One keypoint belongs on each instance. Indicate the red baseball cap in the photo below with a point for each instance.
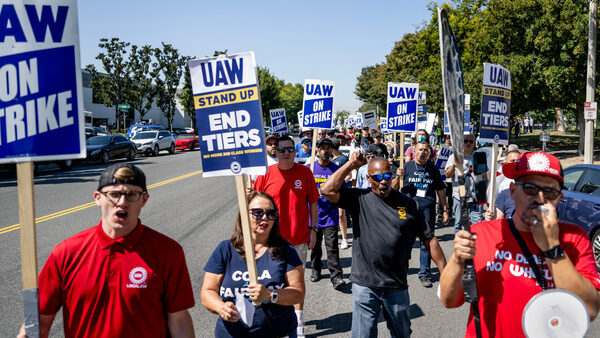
(534, 163)
(269, 137)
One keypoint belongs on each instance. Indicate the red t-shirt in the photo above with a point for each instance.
(505, 281)
(293, 190)
(110, 288)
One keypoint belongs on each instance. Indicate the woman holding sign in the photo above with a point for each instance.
(226, 289)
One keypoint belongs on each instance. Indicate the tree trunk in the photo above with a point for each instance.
(117, 118)
(580, 127)
(560, 120)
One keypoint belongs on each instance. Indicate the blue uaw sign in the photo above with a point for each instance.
(228, 114)
(383, 125)
(278, 120)
(318, 104)
(402, 106)
(358, 120)
(41, 105)
(495, 104)
(422, 107)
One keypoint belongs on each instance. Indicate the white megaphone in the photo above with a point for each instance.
(555, 313)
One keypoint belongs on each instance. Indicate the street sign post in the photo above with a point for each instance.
(544, 137)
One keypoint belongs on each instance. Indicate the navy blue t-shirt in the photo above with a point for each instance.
(422, 181)
(505, 203)
(271, 273)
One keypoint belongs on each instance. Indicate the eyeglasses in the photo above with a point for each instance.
(284, 149)
(381, 177)
(130, 196)
(258, 214)
(532, 190)
(469, 141)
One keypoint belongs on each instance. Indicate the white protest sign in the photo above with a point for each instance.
(228, 113)
(383, 125)
(370, 119)
(358, 122)
(278, 120)
(41, 99)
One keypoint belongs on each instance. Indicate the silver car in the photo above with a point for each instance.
(152, 142)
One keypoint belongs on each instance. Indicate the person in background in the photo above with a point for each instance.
(340, 159)
(328, 221)
(379, 142)
(293, 188)
(305, 150)
(422, 135)
(371, 152)
(306, 132)
(280, 271)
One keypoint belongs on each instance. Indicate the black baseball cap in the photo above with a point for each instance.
(324, 141)
(373, 149)
(122, 173)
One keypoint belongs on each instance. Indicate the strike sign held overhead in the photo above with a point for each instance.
(402, 106)
(318, 104)
(495, 104)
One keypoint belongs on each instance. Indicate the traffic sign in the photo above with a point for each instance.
(590, 110)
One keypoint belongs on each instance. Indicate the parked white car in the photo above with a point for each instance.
(152, 142)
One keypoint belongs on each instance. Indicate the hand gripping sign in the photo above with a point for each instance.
(318, 104)
(495, 104)
(402, 106)
(228, 114)
(278, 120)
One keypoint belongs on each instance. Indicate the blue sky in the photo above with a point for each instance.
(328, 40)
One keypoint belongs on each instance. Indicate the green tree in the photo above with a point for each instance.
(168, 69)
(270, 86)
(186, 96)
(291, 97)
(341, 116)
(141, 92)
(112, 83)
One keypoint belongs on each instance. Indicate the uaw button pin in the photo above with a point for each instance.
(236, 167)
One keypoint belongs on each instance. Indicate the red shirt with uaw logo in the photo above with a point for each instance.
(506, 281)
(292, 190)
(109, 288)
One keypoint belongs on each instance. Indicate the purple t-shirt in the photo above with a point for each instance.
(328, 213)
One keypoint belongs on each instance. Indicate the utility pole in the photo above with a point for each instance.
(588, 150)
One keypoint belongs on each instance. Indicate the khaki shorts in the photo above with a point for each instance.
(302, 250)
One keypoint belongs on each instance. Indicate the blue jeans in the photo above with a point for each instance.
(475, 214)
(425, 257)
(366, 305)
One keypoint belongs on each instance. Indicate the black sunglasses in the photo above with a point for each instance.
(381, 177)
(258, 214)
(469, 141)
(284, 149)
(532, 190)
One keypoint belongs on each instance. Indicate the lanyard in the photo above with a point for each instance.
(534, 266)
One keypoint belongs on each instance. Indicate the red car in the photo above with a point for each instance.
(187, 141)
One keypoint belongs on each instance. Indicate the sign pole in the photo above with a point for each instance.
(401, 151)
(246, 230)
(312, 151)
(492, 203)
(29, 271)
(588, 153)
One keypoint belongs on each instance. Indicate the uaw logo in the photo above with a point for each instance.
(236, 167)
(539, 162)
(298, 184)
(138, 277)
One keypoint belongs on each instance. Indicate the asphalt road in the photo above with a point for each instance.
(198, 213)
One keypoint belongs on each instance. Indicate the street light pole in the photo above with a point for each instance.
(588, 150)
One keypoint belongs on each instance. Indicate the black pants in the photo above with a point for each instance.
(333, 252)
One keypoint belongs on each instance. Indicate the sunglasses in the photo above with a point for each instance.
(258, 214)
(532, 190)
(381, 177)
(284, 149)
(469, 141)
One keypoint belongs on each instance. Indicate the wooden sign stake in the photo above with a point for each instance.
(492, 201)
(313, 150)
(246, 230)
(401, 157)
(29, 270)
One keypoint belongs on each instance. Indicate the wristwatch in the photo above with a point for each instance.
(274, 296)
(554, 252)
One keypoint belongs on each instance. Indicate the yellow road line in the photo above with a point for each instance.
(90, 204)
